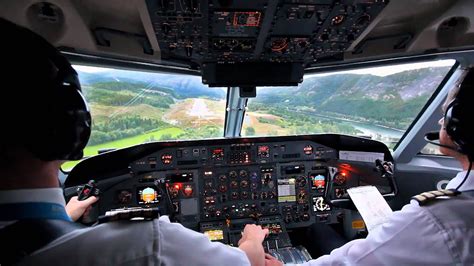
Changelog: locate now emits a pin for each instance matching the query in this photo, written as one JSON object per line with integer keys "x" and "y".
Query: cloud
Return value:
{"x": 393, "y": 69}
{"x": 89, "y": 69}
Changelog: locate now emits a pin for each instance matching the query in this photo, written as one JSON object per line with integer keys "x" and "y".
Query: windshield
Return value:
{"x": 132, "y": 107}
{"x": 378, "y": 103}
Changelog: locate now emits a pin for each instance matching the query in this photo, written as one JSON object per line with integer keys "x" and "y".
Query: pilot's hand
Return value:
{"x": 272, "y": 261}
{"x": 76, "y": 208}
{"x": 251, "y": 243}
{"x": 253, "y": 232}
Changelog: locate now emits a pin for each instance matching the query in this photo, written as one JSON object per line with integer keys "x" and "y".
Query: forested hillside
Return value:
{"x": 392, "y": 100}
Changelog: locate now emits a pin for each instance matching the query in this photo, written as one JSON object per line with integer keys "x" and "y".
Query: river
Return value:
{"x": 377, "y": 132}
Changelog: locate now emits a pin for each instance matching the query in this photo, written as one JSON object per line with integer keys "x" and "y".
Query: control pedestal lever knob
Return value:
{"x": 89, "y": 189}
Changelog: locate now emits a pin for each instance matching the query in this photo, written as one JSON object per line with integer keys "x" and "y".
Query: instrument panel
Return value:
{"x": 247, "y": 180}
{"x": 218, "y": 186}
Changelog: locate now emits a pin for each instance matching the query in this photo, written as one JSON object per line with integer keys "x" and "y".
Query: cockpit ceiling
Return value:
{"x": 195, "y": 34}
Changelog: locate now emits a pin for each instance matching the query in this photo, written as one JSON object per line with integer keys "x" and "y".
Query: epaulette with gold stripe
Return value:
{"x": 429, "y": 196}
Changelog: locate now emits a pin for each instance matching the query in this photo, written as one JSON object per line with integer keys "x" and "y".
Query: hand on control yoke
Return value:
{"x": 75, "y": 208}
{"x": 80, "y": 205}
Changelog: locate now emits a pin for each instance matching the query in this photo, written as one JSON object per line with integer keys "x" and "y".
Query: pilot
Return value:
{"x": 45, "y": 121}
{"x": 432, "y": 229}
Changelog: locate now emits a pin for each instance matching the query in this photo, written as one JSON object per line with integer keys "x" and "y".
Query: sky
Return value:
{"x": 377, "y": 71}
{"x": 89, "y": 69}
{"x": 393, "y": 69}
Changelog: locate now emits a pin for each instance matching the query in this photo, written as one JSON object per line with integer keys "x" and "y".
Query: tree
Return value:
{"x": 166, "y": 137}
{"x": 249, "y": 131}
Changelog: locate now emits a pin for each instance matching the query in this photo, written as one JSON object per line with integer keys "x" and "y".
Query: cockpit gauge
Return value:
{"x": 222, "y": 178}
{"x": 340, "y": 178}
{"x": 147, "y": 195}
{"x": 217, "y": 154}
{"x": 166, "y": 158}
{"x": 320, "y": 205}
{"x": 124, "y": 196}
{"x": 263, "y": 151}
{"x": 301, "y": 181}
{"x": 233, "y": 174}
{"x": 318, "y": 181}
{"x": 340, "y": 192}
{"x": 308, "y": 150}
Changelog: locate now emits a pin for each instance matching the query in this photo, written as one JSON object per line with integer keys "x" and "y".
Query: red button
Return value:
{"x": 188, "y": 191}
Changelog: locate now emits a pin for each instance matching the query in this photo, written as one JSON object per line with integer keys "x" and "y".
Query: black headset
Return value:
{"x": 458, "y": 117}
{"x": 63, "y": 117}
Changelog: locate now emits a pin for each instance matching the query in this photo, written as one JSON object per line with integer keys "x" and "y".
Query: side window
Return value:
{"x": 431, "y": 149}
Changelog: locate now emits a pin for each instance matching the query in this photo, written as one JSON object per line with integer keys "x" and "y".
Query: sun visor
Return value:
{"x": 252, "y": 74}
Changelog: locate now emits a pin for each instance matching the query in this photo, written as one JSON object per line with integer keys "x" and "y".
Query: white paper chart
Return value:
{"x": 371, "y": 205}
{"x": 361, "y": 156}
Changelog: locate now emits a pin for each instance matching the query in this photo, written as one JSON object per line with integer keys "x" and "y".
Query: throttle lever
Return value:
{"x": 88, "y": 190}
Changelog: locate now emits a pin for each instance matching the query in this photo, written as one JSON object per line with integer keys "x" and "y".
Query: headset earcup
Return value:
{"x": 451, "y": 123}
{"x": 74, "y": 124}
{"x": 456, "y": 123}
{"x": 67, "y": 128}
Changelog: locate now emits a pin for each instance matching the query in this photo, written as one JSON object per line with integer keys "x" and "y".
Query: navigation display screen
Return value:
{"x": 148, "y": 195}
{"x": 318, "y": 181}
{"x": 286, "y": 190}
{"x": 215, "y": 235}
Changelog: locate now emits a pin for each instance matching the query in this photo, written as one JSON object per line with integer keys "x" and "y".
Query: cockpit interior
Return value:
{"x": 221, "y": 113}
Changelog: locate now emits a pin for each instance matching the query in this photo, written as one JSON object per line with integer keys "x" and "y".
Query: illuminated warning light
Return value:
{"x": 308, "y": 150}
{"x": 166, "y": 158}
{"x": 344, "y": 174}
{"x": 358, "y": 224}
{"x": 177, "y": 186}
{"x": 346, "y": 165}
{"x": 263, "y": 151}
{"x": 188, "y": 190}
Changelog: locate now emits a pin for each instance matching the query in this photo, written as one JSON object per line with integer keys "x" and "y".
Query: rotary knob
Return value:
{"x": 208, "y": 183}
{"x": 222, "y": 178}
{"x": 124, "y": 197}
{"x": 305, "y": 217}
{"x": 222, "y": 188}
{"x": 233, "y": 174}
{"x": 301, "y": 181}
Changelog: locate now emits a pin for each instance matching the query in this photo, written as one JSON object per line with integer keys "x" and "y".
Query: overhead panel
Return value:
{"x": 294, "y": 33}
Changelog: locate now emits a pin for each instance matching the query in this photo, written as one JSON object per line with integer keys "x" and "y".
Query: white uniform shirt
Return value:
{"x": 416, "y": 236}
{"x": 157, "y": 242}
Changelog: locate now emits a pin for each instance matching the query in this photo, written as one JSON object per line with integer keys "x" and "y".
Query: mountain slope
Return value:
{"x": 183, "y": 86}
{"x": 393, "y": 100}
